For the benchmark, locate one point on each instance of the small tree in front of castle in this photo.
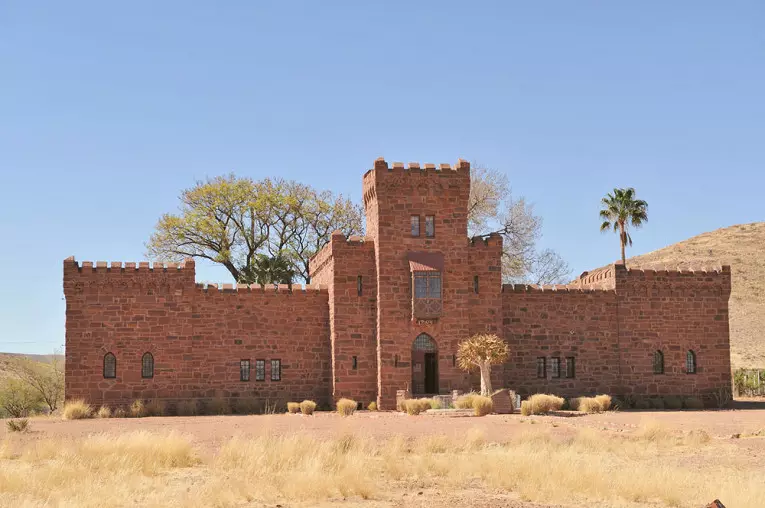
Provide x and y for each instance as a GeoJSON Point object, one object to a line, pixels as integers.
{"type": "Point", "coordinates": [481, 351]}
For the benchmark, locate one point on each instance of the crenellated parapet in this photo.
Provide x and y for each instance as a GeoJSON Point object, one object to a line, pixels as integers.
{"type": "Point", "coordinates": [256, 289]}
{"type": "Point", "coordinates": [701, 279]}
{"type": "Point", "coordinates": [550, 288]}
{"type": "Point", "coordinates": [123, 275]}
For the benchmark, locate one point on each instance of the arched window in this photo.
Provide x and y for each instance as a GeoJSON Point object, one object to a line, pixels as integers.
{"type": "Point", "coordinates": [658, 362]}
{"type": "Point", "coordinates": [424, 342]}
{"type": "Point", "coordinates": [147, 366]}
{"type": "Point", "coordinates": [110, 366]}
{"type": "Point", "coordinates": [690, 362]}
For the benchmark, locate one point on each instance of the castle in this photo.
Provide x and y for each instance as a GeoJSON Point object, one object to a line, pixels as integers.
{"type": "Point", "coordinates": [386, 312]}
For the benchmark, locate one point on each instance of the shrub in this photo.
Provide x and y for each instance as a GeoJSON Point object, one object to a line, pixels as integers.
{"type": "Point", "coordinates": [589, 405]}
{"type": "Point", "coordinates": [412, 406]}
{"type": "Point", "coordinates": [104, 412]}
{"type": "Point", "coordinates": [604, 401]}
{"type": "Point", "coordinates": [693, 403]}
{"type": "Point", "coordinates": [434, 403]}
{"type": "Point", "coordinates": [77, 410]}
{"type": "Point", "coordinates": [542, 403]}
{"type": "Point", "coordinates": [188, 407]}
{"type": "Point", "coordinates": [293, 407]}
{"type": "Point", "coordinates": [137, 409]}
{"type": "Point", "coordinates": [372, 406]}
{"type": "Point", "coordinates": [525, 408]}
{"type": "Point", "coordinates": [120, 413]}
{"type": "Point", "coordinates": [346, 407]}
{"type": "Point", "coordinates": [155, 407]}
{"type": "Point", "coordinates": [642, 403]}
{"type": "Point", "coordinates": [17, 425]}
{"type": "Point", "coordinates": [673, 402]}
{"type": "Point", "coordinates": [465, 401]}
{"type": "Point", "coordinates": [307, 407]}
{"type": "Point", "coordinates": [572, 403]}
{"type": "Point", "coordinates": [482, 405]}
{"type": "Point", "coordinates": [219, 406]}
{"type": "Point", "coordinates": [18, 399]}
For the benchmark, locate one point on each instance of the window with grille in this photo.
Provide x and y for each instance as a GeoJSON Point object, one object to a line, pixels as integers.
{"type": "Point", "coordinates": [570, 367]}
{"type": "Point", "coordinates": [260, 370]}
{"type": "Point", "coordinates": [541, 367]}
{"type": "Point", "coordinates": [147, 366]}
{"type": "Point", "coordinates": [430, 226]}
{"type": "Point", "coordinates": [424, 342]}
{"type": "Point", "coordinates": [427, 285]}
{"type": "Point", "coordinates": [658, 362]}
{"type": "Point", "coordinates": [244, 370]}
{"type": "Point", "coordinates": [415, 222]}
{"type": "Point", "coordinates": [276, 370]}
{"type": "Point", "coordinates": [690, 362]}
{"type": "Point", "coordinates": [110, 366]}
{"type": "Point", "coordinates": [555, 366]}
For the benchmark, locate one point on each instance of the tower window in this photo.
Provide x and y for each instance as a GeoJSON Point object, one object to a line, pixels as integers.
{"type": "Point", "coordinates": [555, 366]}
{"type": "Point", "coordinates": [147, 366]}
{"type": "Point", "coordinates": [658, 362]}
{"type": "Point", "coordinates": [276, 370]}
{"type": "Point", "coordinates": [244, 370]}
{"type": "Point", "coordinates": [570, 367]}
{"type": "Point", "coordinates": [110, 366]}
{"type": "Point", "coordinates": [415, 222]}
{"type": "Point", "coordinates": [260, 370]}
{"type": "Point", "coordinates": [430, 226]}
{"type": "Point", "coordinates": [359, 285]}
{"type": "Point", "coordinates": [355, 363]}
{"type": "Point", "coordinates": [541, 367]}
{"type": "Point", "coordinates": [427, 285]}
{"type": "Point", "coordinates": [690, 362]}
{"type": "Point", "coordinates": [475, 284]}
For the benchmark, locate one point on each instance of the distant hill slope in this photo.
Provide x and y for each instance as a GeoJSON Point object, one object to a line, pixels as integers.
{"type": "Point", "coordinates": [7, 358]}
{"type": "Point", "coordinates": [742, 247]}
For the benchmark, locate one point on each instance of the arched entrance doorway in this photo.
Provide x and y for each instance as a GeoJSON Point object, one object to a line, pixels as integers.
{"type": "Point", "coordinates": [424, 365]}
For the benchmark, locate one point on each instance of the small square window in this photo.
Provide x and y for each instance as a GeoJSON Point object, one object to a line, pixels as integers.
{"type": "Point", "coordinates": [430, 226]}
{"type": "Point", "coordinates": [570, 372]}
{"type": "Point", "coordinates": [260, 370]}
{"type": "Point", "coordinates": [555, 366]}
{"type": "Point", "coordinates": [415, 222]}
{"type": "Point", "coordinates": [541, 367]}
{"type": "Point", "coordinates": [276, 370]}
{"type": "Point", "coordinates": [355, 363]}
{"type": "Point", "coordinates": [244, 370]}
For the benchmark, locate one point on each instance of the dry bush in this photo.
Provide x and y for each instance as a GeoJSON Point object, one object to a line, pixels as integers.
{"type": "Point", "coordinates": [20, 425]}
{"type": "Point", "coordinates": [434, 403]}
{"type": "Point", "coordinates": [218, 406]}
{"type": "Point", "coordinates": [77, 410]}
{"type": "Point", "coordinates": [188, 407]}
{"type": "Point", "coordinates": [604, 401]}
{"type": "Point", "coordinates": [293, 407]}
{"type": "Point", "coordinates": [483, 405]}
{"type": "Point", "coordinates": [120, 412]}
{"type": "Point", "coordinates": [307, 407]}
{"type": "Point", "coordinates": [372, 406]}
{"type": "Point", "coordinates": [525, 408]}
{"type": "Point", "coordinates": [155, 407]}
{"type": "Point", "coordinates": [465, 401]}
{"type": "Point", "coordinates": [673, 402]}
{"type": "Point", "coordinates": [415, 406]}
{"type": "Point", "coordinates": [542, 403]}
{"type": "Point", "coordinates": [346, 407]}
{"type": "Point", "coordinates": [693, 403]}
{"type": "Point", "coordinates": [589, 405]}
{"type": "Point", "coordinates": [137, 409]}
{"type": "Point", "coordinates": [104, 412]}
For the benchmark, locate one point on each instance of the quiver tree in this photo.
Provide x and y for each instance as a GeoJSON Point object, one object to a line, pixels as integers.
{"type": "Point", "coordinates": [481, 351]}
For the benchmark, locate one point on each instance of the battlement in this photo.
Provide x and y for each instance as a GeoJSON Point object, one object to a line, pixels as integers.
{"type": "Point", "coordinates": [243, 289]}
{"type": "Point", "coordinates": [141, 266]}
{"type": "Point", "coordinates": [549, 288]}
{"type": "Point", "coordinates": [493, 240]}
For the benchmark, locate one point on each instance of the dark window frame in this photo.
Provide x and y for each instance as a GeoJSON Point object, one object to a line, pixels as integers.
{"type": "Point", "coordinates": [244, 369]}
{"type": "Point", "coordinates": [144, 368]}
{"type": "Point", "coordinates": [475, 284]}
{"type": "Point", "coordinates": [113, 357]}
{"type": "Point", "coordinates": [276, 375]}
{"type": "Point", "coordinates": [428, 276]}
{"type": "Point", "coordinates": [355, 363]}
{"type": "Point", "coordinates": [432, 226]}
{"type": "Point", "coordinates": [260, 369]}
{"type": "Point", "coordinates": [359, 285]}
{"type": "Point", "coordinates": [658, 362]}
{"type": "Point", "coordinates": [570, 362]}
{"type": "Point", "coordinates": [690, 362]}
{"type": "Point", "coordinates": [555, 371]}
{"type": "Point", "coordinates": [416, 233]}
{"type": "Point", "coordinates": [542, 361]}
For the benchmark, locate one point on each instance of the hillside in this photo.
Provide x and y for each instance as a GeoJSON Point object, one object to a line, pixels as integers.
{"type": "Point", "coordinates": [742, 247]}
{"type": "Point", "coordinates": [7, 358]}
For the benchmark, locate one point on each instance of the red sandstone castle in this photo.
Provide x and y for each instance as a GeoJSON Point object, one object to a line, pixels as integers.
{"type": "Point", "coordinates": [386, 312]}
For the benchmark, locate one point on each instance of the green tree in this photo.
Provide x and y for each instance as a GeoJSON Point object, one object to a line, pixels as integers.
{"type": "Point", "coordinates": [232, 221]}
{"type": "Point", "coordinates": [620, 211]}
{"type": "Point", "coordinates": [18, 399]}
{"type": "Point", "coordinates": [47, 380]}
{"type": "Point", "coordinates": [268, 270]}
{"type": "Point", "coordinates": [481, 351]}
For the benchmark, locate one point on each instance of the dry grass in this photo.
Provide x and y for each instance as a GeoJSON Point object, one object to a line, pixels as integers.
{"type": "Point", "coordinates": [416, 406]}
{"type": "Point", "coordinates": [293, 407]}
{"type": "Point", "coordinates": [741, 247]}
{"type": "Point", "coordinates": [542, 403]}
{"type": "Point", "coordinates": [465, 401]}
{"type": "Point", "coordinates": [307, 407]}
{"type": "Point", "coordinates": [20, 425]}
{"type": "Point", "coordinates": [137, 409]}
{"type": "Point", "coordinates": [104, 412]}
{"type": "Point", "coordinates": [346, 407]}
{"type": "Point", "coordinates": [372, 406]}
{"type": "Point", "coordinates": [587, 467]}
{"type": "Point", "coordinates": [483, 406]}
{"type": "Point", "coordinates": [189, 407]}
{"type": "Point", "coordinates": [120, 412]}
{"type": "Point", "coordinates": [155, 408]}
{"type": "Point", "coordinates": [525, 408]}
{"type": "Point", "coordinates": [77, 410]}
{"type": "Point", "coordinates": [596, 404]}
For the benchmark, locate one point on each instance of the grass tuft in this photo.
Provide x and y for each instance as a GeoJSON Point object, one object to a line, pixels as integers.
{"type": "Point", "coordinates": [543, 403]}
{"type": "Point", "coordinates": [482, 406]}
{"type": "Point", "coordinates": [307, 407]}
{"type": "Point", "coordinates": [20, 425]}
{"type": "Point", "coordinates": [137, 409]}
{"type": "Point", "coordinates": [465, 401]}
{"type": "Point", "coordinates": [293, 407]}
{"type": "Point", "coordinates": [372, 406]}
{"type": "Point", "coordinates": [346, 407]}
{"type": "Point", "coordinates": [104, 412]}
{"type": "Point", "coordinates": [77, 410]}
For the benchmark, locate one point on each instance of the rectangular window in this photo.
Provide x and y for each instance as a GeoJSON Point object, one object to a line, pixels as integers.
{"type": "Point", "coordinates": [427, 285]}
{"type": "Point", "coordinates": [244, 370]}
{"type": "Point", "coordinates": [260, 370]}
{"type": "Point", "coordinates": [359, 286]}
{"type": "Point", "coordinates": [555, 366]}
{"type": "Point", "coordinates": [415, 221]}
{"type": "Point", "coordinates": [276, 370]}
{"type": "Point", "coordinates": [430, 226]}
{"type": "Point", "coordinates": [355, 363]}
{"type": "Point", "coordinates": [570, 366]}
{"type": "Point", "coordinates": [541, 367]}
{"type": "Point", "coordinates": [475, 284]}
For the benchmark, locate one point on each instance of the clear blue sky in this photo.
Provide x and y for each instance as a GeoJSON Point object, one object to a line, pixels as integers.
{"type": "Point", "coordinates": [107, 111]}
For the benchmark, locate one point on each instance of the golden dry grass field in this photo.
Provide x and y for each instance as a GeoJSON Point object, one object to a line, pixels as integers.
{"type": "Point", "coordinates": [742, 247]}
{"type": "Point", "coordinates": [630, 459]}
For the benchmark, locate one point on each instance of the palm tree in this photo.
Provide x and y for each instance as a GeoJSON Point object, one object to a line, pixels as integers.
{"type": "Point", "coordinates": [621, 210]}
{"type": "Point", "coordinates": [268, 270]}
